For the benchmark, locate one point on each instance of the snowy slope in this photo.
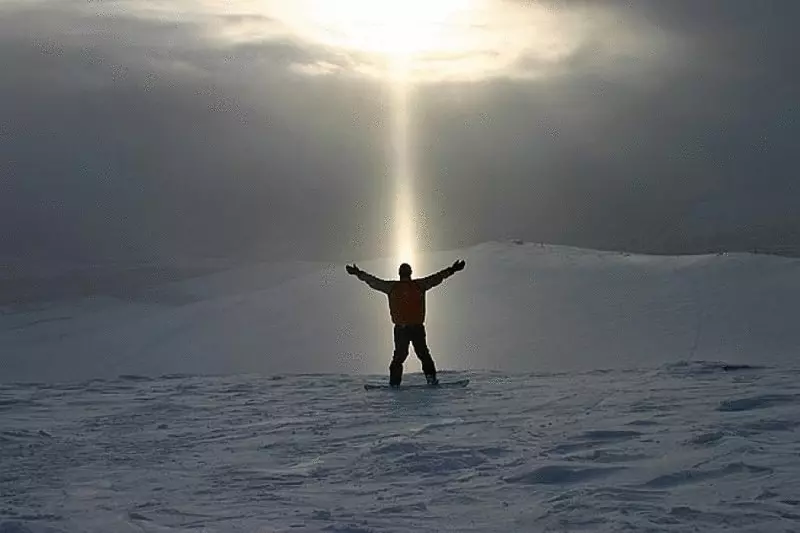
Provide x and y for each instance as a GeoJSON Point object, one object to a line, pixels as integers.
{"type": "Point", "coordinates": [592, 405]}
{"type": "Point", "coordinates": [516, 308]}
{"type": "Point", "coordinates": [679, 447]}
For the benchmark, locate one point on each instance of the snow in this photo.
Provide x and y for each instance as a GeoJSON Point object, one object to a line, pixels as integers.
{"type": "Point", "coordinates": [677, 447]}
{"type": "Point", "coordinates": [608, 392]}
{"type": "Point", "coordinates": [517, 308]}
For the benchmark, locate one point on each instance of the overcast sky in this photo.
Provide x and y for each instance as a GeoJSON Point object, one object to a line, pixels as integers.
{"type": "Point", "coordinates": [140, 129]}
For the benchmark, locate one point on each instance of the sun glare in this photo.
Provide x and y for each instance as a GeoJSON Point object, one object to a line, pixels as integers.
{"type": "Point", "coordinates": [406, 43]}
{"type": "Point", "coordinates": [427, 41]}
{"type": "Point", "coordinates": [434, 40]}
{"type": "Point", "coordinates": [396, 29]}
{"type": "Point", "coordinates": [406, 217]}
{"type": "Point", "coordinates": [393, 36]}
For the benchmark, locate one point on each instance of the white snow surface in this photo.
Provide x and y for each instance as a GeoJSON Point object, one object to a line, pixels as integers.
{"type": "Point", "coordinates": [609, 392]}
{"type": "Point", "coordinates": [517, 308]}
{"type": "Point", "coordinates": [693, 446]}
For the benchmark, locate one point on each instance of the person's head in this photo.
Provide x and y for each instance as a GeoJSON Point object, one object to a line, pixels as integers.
{"type": "Point", "coordinates": [405, 271]}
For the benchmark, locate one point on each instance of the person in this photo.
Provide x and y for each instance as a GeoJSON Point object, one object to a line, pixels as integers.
{"type": "Point", "coordinates": [407, 310]}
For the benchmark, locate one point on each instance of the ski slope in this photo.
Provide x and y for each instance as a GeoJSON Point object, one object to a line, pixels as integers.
{"type": "Point", "coordinates": [692, 446]}
{"type": "Point", "coordinates": [518, 308]}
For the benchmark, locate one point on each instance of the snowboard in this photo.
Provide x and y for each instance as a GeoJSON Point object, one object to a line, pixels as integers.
{"type": "Point", "coordinates": [441, 385]}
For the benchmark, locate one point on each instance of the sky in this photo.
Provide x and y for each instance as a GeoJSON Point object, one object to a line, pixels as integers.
{"type": "Point", "coordinates": [331, 130]}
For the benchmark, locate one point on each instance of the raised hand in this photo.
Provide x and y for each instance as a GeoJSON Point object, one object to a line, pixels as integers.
{"type": "Point", "coordinates": [353, 270]}
{"type": "Point", "coordinates": [458, 266]}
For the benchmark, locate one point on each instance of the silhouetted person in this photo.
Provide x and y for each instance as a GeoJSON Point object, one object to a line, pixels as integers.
{"type": "Point", "coordinates": [407, 308]}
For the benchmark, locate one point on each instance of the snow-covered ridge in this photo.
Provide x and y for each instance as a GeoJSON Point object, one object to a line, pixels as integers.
{"type": "Point", "coordinates": [517, 307]}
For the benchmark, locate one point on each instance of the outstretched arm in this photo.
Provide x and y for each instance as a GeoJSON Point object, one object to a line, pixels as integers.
{"type": "Point", "coordinates": [435, 279]}
{"type": "Point", "coordinates": [376, 283]}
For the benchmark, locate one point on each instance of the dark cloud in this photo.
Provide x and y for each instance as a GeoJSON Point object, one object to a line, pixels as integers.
{"type": "Point", "coordinates": [695, 157]}
{"type": "Point", "coordinates": [124, 137]}
{"type": "Point", "coordinates": [113, 152]}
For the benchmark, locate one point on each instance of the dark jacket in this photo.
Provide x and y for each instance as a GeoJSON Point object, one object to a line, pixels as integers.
{"type": "Point", "coordinates": [406, 296]}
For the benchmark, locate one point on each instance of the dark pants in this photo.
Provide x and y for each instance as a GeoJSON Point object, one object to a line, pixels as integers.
{"type": "Point", "coordinates": [403, 335]}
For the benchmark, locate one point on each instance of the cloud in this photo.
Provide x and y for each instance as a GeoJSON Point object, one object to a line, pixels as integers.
{"type": "Point", "coordinates": [155, 128]}
{"type": "Point", "coordinates": [450, 40]}
{"type": "Point", "coordinates": [129, 138]}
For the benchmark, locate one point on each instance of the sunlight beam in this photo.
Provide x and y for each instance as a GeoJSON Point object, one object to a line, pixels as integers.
{"type": "Point", "coordinates": [405, 215]}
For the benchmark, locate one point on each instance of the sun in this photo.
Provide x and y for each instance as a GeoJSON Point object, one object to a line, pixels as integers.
{"type": "Point", "coordinates": [399, 30]}
{"type": "Point", "coordinates": [425, 41]}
